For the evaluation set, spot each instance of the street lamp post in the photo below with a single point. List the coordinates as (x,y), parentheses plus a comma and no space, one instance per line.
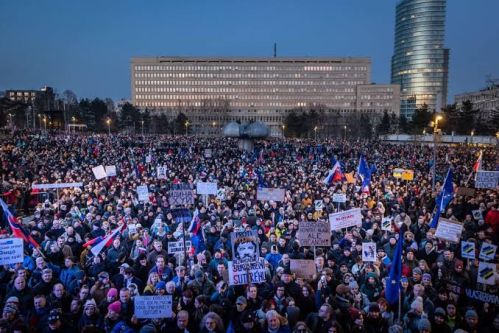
(345,128)
(472,134)
(45,123)
(283,129)
(435,130)
(108,122)
(214,127)
(186,126)
(315,131)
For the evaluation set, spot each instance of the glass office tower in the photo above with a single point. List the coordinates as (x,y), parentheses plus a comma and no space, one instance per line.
(420,62)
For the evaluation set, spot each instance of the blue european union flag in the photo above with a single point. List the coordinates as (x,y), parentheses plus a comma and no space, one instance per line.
(393,283)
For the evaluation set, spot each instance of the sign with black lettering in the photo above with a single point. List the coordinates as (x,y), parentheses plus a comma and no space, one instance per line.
(153,307)
(246,272)
(180,194)
(11,251)
(486,179)
(314,233)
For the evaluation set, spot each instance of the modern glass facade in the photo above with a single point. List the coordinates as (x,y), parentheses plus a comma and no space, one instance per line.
(420,62)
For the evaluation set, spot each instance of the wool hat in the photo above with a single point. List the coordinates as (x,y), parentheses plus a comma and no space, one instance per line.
(242,300)
(115,307)
(424,324)
(417,304)
(427,276)
(354,313)
(374,307)
(439,312)
(342,289)
(417,270)
(395,329)
(199,274)
(10,308)
(353,284)
(12,299)
(160,285)
(471,314)
(54,316)
(113,292)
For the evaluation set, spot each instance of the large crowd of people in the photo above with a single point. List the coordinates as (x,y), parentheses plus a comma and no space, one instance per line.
(64,286)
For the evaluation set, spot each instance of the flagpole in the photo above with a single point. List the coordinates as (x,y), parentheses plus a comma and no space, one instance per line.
(400,303)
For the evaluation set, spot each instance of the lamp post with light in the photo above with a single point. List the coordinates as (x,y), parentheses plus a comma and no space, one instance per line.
(186,127)
(315,133)
(108,122)
(435,130)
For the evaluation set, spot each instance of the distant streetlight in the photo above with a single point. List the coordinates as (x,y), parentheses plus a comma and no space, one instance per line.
(435,130)
(315,130)
(186,126)
(283,129)
(108,122)
(45,122)
(10,120)
(345,128)
(142,123)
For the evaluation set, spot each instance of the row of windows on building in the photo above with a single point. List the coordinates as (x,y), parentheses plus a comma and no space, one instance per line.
(246,83)
(238,104)
(251,75)
(243,90)
(244,97)
(248,68)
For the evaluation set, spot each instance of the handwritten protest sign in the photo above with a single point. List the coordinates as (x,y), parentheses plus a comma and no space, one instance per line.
(339,197)
(246,272)
(349,218)
(488,252)
(208,153)
(486,273)
(314,233)
(467,250)
(111,170)
(151,307)
(267,194)
(206,188)
(178,246)
(466,191)
(449,230)
(11,251)
(477,214)
(486,179)
(304,269)
(181,194)
(55,185)
(99,172)
(143,193)
(148,158)
(369,252)
(161,172)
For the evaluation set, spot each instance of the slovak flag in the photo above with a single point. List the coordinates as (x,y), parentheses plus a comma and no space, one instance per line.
(478,164)
(17,229)
(99,243)
(334,175)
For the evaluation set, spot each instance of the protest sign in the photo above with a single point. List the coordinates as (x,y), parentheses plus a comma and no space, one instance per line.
(467,250)
(482,296)
(449,230)
(314,167)
(404,174)
(246,272)
(488,251)
(208,153)
(245,245)
(181,194)
(386,224)
(148,158)
(304,269)
(349,218)
(369,252)
(319,205)
(152,307)
(55,186)
(486,179)
(143,193)
(161,172)
(267,194)
(466,191)
(178,246)
(486,273)
(99,172)
(477,214)
(221,194)
(339,197)
(314,233)
(110,170)
(11,251)
(206,188)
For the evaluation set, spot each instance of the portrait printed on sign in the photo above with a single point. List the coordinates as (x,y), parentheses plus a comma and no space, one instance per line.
(245,246)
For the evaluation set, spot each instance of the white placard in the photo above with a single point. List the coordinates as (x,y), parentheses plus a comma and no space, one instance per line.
(221,194)
(345,219)
(486,273)
(339,197)
(467,250)
(314,233)
(208,153)
(486,179)
(449,230)
(99,172)
(111,170)
(268,194)
(488,251)
(11,251)
(206,188)
(369,252)
(319,205)
(246,272)
(55,185)
(148,158)
(151,307)
(386,224)
(314,167)
(161,172)
(180,195)
(178,246)
(143,193)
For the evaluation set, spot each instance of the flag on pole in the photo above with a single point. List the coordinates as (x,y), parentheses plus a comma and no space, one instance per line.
(364,173)
(99,243)
(478,164)
(392,292)
(17,229)
(443,199)
(334,175)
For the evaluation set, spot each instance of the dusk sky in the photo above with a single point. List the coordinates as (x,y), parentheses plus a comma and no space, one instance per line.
(86,46)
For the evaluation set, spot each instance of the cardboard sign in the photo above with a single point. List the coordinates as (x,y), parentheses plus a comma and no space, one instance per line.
(486,179)
(55,185)
(161,172)
(304,269)
(467,250)
(386,224)
(486,273)
(152,307)
(178,246)
(449,230)
(314,234)
(180,195)
(268,194)
(208,153)
(369,252)
(488,252)
(349,218)
(245,246)
(206,188)
(246,272)
(11,251)
(143,193)
(319,205)
(466,191)
(99,172)
(482,296)
(111,170)
(340,197)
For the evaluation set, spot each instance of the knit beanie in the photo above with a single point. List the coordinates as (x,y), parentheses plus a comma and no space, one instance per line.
(113,292)
(424,324)
(115,307)
(417,304)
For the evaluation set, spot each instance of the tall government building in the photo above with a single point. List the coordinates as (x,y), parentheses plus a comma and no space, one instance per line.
(420,63)
(222,89)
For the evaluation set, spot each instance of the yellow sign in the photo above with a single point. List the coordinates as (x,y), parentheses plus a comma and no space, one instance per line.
(404,174)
